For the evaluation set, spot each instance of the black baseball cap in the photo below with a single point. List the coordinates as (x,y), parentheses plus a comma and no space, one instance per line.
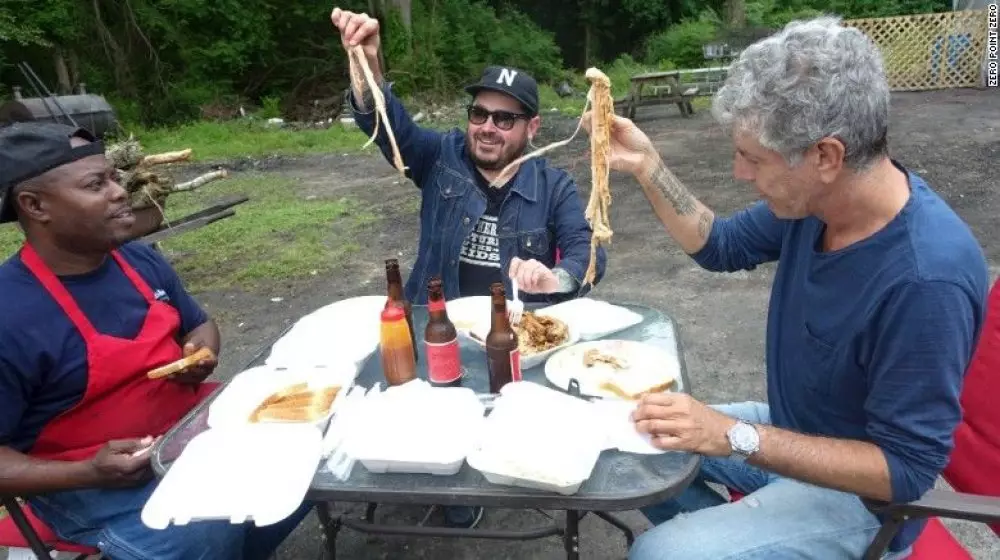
(512,81)
(28,149)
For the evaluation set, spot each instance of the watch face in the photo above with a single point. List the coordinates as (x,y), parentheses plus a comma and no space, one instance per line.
(744,437)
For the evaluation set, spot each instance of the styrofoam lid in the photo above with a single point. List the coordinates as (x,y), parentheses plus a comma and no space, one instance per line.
(258,472)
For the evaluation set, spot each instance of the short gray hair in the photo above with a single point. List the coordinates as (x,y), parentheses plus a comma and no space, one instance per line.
(813,79)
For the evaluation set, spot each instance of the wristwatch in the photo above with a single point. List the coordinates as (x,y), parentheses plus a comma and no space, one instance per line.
(743,439)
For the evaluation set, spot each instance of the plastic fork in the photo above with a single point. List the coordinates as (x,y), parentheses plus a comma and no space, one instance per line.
(516,305)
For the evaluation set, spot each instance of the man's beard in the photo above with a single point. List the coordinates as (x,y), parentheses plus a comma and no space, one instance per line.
(494,164)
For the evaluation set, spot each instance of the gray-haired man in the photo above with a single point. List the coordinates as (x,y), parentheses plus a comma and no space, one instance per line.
(875,310)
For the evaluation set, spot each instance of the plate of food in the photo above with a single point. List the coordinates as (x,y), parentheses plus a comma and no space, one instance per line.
(538,334)
(617,369)
(277,395)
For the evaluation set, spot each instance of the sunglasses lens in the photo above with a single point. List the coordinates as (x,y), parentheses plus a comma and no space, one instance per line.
(504,120)
(478,115)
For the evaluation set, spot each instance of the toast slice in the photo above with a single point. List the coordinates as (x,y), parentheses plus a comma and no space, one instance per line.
(296,403)
(173,368)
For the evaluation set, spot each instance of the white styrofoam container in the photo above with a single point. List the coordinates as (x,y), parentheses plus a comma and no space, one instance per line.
(417,429)
(593,319)
(532,360)
(538,438)
(258,472)
(346,330)
(248,389)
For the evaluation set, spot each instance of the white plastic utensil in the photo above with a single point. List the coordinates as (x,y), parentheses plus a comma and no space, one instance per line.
(516,305)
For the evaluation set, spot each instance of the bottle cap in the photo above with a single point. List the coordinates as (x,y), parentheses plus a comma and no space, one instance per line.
(393,313)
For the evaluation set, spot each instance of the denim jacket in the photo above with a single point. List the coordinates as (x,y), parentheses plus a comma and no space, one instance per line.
(542,213)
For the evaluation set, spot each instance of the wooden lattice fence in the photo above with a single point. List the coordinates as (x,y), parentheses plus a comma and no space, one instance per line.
(930,51)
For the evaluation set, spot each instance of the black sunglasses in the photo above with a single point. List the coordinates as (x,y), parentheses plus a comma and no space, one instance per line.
(504,120)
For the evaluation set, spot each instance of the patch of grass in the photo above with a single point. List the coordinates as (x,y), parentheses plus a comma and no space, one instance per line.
(213,141)
(277,235)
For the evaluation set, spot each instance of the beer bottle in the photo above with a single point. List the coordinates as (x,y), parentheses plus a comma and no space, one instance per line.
(503,359)
(394,287)
(398,364)
(444,365)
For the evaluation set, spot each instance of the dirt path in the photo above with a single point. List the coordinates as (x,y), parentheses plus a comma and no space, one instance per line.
(951,137)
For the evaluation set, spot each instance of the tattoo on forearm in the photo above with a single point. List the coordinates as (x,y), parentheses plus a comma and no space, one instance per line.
(678,196)
(704,224)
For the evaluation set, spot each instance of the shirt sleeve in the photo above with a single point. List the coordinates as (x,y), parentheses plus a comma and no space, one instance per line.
(14,392)
(743,240)
(924,341)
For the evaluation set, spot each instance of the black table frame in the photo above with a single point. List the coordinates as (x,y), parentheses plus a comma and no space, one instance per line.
(507,497)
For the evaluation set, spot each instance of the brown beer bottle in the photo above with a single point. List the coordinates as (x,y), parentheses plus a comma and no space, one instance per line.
(503,359)
(444,365)
(394,288)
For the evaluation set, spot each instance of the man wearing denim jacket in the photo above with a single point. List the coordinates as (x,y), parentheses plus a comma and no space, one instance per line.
(472,234)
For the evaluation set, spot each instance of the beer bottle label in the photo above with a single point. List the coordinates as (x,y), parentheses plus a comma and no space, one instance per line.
(515,365)
(444,364)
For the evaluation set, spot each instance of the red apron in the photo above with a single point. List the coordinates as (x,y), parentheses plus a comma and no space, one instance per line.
(120,402)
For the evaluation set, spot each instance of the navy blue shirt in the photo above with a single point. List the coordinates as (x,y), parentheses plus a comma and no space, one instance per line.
(870,342)
(43,359)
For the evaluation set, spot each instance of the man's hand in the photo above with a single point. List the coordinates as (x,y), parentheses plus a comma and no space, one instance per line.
(533,277)
(358,29)
(122,463)
(678,422)
(200,370)
(631,150)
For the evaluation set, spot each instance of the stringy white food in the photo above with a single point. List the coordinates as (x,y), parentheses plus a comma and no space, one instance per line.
(361,74)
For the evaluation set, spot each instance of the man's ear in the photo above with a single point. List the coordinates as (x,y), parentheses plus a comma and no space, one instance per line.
(533,126)
(32,206)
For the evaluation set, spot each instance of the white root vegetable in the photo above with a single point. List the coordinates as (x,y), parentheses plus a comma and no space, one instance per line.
(600,150)
(359,61)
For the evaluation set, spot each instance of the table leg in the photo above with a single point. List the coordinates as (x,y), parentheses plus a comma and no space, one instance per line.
(331,527)
(571,538)
(620,525)
(370,512)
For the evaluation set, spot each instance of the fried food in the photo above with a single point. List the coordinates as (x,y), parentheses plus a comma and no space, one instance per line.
(594,356)
(538,333)
(600,150)
(296,403)
(635,389)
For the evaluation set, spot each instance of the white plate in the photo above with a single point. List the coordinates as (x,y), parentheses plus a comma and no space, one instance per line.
(592,318)
(247,390)
(532,360)
(645,363)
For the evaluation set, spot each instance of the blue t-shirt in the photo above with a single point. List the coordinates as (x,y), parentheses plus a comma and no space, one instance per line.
(43,359)
(870,342)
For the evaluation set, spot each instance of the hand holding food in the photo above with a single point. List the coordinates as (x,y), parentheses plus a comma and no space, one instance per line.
(122,463)
(533,277)
(194,367)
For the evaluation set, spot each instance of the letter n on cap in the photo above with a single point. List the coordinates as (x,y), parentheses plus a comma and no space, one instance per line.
(507,76)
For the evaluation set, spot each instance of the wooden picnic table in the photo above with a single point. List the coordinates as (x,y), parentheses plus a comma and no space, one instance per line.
(664,87)
(620,481)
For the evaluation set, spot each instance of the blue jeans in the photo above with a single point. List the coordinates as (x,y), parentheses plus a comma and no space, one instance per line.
(779,517)
(110,521)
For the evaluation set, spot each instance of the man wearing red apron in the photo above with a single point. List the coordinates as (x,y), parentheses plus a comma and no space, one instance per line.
(84,315)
